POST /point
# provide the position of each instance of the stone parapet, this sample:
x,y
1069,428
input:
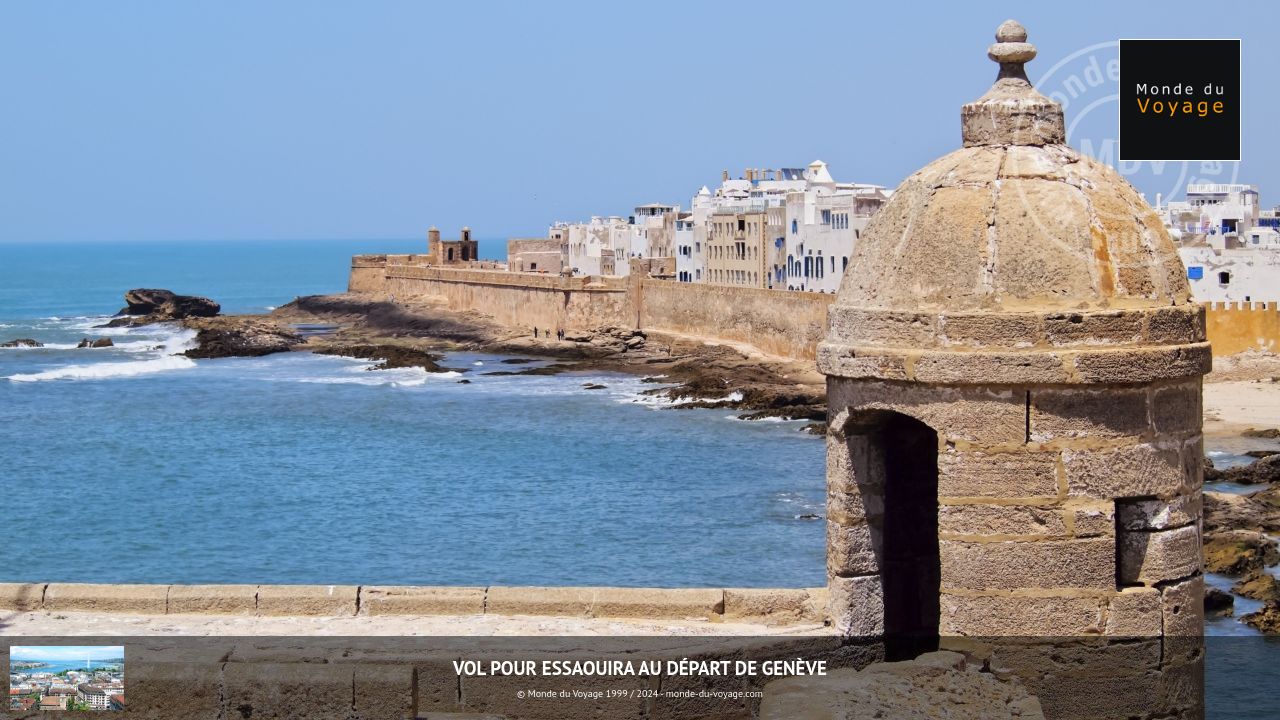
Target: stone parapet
x,y
780,606
1074,366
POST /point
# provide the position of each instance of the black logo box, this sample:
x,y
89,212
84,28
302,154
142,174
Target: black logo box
x,y
1184,68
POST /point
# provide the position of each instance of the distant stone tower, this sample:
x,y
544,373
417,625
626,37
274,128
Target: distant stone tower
x,y
451,252
1014,374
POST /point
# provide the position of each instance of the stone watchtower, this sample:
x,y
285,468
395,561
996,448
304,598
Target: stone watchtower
x,y
451,252
1014,380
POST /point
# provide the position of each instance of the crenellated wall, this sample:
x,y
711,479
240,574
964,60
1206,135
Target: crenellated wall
x,y
1235,327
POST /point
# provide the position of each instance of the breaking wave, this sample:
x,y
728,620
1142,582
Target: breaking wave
x,y
105,371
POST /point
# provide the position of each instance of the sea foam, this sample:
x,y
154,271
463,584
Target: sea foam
x,y
109,370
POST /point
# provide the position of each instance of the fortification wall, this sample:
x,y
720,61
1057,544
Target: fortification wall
x,y
1235,327
776,321
368,274
517,299
779,322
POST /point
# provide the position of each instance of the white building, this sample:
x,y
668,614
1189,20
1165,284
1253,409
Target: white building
x,y
1229,245
690,263
93,696
824,222
1216,210
596,247
810,227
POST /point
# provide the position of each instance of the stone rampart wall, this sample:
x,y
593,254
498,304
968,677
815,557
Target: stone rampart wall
x,y
777,321
1235,327
783,323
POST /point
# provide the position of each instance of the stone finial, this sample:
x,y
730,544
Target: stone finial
x,y
1012,112
1012,50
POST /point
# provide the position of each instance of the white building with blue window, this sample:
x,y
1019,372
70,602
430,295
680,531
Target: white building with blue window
x,y
1229,245
824,221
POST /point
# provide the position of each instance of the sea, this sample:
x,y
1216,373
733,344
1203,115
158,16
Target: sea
x,y
135,464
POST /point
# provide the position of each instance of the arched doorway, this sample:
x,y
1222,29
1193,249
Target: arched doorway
x,y
894,461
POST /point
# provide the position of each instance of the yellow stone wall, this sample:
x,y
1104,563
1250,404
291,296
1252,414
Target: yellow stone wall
x,y
1235,327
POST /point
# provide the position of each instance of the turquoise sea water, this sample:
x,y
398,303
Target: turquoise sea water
x,y
132,464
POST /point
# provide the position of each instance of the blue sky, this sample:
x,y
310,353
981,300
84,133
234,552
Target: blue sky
x,y
238,119
66,653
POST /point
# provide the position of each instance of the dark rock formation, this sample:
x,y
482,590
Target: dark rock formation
x,y
391,356
594,386
1262,433
99,343
1265,470
1211,473
1231,511
219,337
145,306
1239,552
1218,602
22,342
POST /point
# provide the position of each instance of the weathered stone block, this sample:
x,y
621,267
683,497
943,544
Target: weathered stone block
x,y
959,521
991,330
1082,413
1120,367
781,605
853,506
1177,324
1094,328
1081,563
1012,616
882,328
1005,368
605,602
307,600
1178,408
861,363
851,549
213,599
857,606
700,603
1092,518
1154,556
569,601
1135,612
1159,514
23,597
136,599
1183,607
1017,474
389,600
1136,470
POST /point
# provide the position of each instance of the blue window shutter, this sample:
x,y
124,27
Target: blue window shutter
x,y
1195,272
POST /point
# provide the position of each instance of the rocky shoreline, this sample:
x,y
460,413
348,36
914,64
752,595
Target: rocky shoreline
x,y
690,373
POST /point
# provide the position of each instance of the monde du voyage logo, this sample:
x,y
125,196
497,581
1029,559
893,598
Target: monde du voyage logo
x,y
1180,100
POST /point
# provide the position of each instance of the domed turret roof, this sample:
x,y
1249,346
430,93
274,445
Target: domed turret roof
x,y
1014,220
1014,260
